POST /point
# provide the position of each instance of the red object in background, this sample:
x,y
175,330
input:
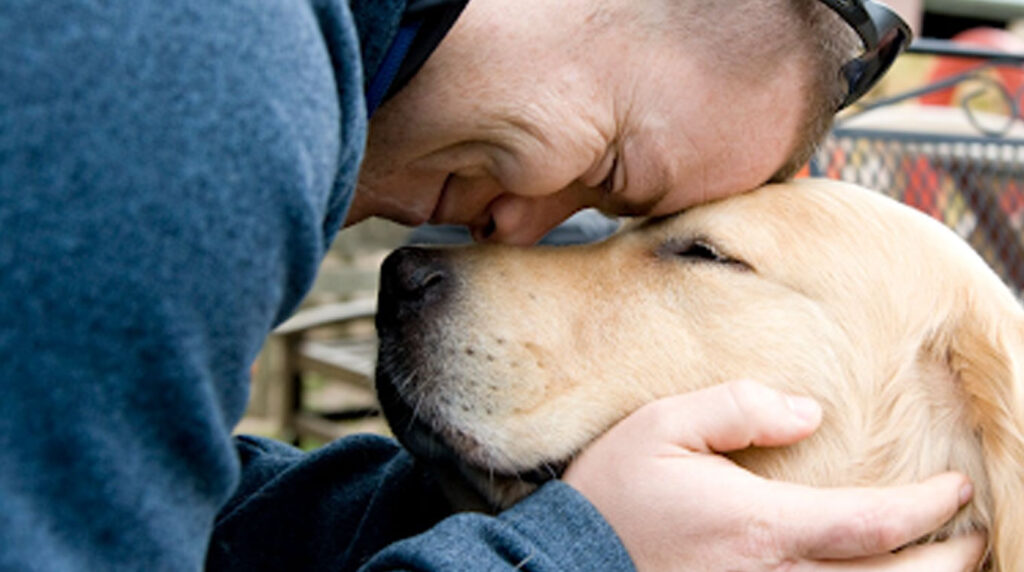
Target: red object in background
x,y
992,38
922,185
923,180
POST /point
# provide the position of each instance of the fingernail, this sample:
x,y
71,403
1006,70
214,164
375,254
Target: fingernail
x,y
966,492
805,408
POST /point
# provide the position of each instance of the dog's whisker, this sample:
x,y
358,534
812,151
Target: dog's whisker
x,y
414,415
551,470
406,381
416,409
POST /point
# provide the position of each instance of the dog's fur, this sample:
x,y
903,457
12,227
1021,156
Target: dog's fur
x,y
496,362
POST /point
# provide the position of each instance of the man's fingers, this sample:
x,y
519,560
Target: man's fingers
x,y
754,518
733,416
862,522
960,554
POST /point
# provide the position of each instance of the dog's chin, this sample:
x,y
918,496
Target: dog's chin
x,y
468,486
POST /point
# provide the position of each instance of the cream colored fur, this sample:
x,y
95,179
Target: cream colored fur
x,y
910,342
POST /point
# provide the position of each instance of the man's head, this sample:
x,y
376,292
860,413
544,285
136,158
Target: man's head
x,y
529,111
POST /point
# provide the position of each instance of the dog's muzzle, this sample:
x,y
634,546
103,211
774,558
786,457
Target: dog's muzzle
x,y
414,286
418,288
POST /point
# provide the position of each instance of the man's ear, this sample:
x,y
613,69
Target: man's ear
x,y
985,350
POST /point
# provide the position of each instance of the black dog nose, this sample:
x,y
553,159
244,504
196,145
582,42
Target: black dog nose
x,y
411,280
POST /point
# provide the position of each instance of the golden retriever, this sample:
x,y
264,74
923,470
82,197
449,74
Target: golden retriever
x,y
499,364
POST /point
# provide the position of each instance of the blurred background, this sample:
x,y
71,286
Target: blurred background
x,y
943,132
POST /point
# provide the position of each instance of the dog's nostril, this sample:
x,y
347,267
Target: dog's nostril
x,y
413,277
424,279
414,270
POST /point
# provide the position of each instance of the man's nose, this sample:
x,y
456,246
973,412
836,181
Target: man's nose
x,y
522,221
412,279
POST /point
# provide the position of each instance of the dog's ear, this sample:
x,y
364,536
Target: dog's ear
x,y
986,355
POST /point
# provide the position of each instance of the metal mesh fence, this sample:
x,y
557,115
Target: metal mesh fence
x,y
947,140
975,185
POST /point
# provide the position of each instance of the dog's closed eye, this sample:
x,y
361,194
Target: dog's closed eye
x,y
699,250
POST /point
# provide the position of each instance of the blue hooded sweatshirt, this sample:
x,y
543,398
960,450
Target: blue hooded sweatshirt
x,y
171,174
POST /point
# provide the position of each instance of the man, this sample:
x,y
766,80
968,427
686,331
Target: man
x,y
171,173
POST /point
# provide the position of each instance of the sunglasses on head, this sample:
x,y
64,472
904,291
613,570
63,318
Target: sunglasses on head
x,y
884,35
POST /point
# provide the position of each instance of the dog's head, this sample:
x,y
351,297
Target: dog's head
x,y
499,364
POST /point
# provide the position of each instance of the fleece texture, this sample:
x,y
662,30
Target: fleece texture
x,y
171,174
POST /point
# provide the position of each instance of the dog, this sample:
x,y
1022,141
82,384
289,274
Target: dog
x,y
499,364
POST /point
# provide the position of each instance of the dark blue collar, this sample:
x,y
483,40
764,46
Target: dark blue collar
x,y
424,24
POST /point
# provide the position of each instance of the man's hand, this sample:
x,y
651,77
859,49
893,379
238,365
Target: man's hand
x,y
679,506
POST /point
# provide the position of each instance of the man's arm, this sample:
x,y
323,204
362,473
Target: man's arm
x,y
555,529
170,174
364,503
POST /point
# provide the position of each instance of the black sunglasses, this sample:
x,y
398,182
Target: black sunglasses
x,y
884,34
